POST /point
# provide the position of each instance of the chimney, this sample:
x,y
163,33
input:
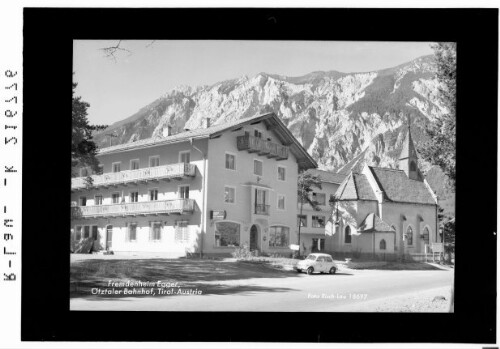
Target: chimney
x,y
207,122
169,130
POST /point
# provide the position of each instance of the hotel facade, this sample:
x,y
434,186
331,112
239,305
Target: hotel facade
x,y
204,192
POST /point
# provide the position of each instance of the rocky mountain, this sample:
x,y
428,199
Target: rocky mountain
x,y
336,116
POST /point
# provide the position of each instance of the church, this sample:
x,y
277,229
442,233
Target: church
x,y
384,212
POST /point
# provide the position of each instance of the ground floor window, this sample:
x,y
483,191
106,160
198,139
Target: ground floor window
x,y
318,245
86,231
181,231
78,233
155,232
348,236
94,232
132,232
409,236
279,236
382,244
227,234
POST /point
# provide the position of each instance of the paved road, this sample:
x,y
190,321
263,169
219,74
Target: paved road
x,y
341,292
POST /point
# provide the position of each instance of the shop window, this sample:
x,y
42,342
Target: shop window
x,y
227,234
279,236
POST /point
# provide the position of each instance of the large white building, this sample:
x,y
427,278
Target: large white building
x,y
203,191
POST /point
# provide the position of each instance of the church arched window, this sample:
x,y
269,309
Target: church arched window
x,y
409,236
426,235
382,244
348,236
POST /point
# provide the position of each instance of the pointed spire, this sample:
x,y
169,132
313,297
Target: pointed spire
x,y
408,150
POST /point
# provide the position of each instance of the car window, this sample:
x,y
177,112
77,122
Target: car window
x,y
311,257
320,259
329,259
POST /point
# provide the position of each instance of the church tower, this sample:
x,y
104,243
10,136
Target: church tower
x,y
408,159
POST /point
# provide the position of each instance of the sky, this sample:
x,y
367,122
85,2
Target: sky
x,y
116,89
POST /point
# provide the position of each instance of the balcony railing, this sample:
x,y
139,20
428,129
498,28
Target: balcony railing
x,y
177,206
262,147
262,209
174,171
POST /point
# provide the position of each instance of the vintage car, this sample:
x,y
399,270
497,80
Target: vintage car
x,y
317,263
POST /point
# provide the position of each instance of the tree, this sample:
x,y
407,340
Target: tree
x,y
440,149
447,227
306,182
83,148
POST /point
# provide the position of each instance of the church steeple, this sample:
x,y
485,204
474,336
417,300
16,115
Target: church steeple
x,y
408,159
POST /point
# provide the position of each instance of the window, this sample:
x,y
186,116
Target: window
x,y
229,195
230,161
261,206
281,202
78,233
116,166
115,198
318,221
94,232
227,234
155,232
318,245
281,173
134,196
84,172
132,232
181,231
154,161
185,157
257,134
153,194
320,198
426,235
382,244
348,236
86,231
83,201
257,167
134,164
279,236
395,233
98,200
409,236
184,192
302,220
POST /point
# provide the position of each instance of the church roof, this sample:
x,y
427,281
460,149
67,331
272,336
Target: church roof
x,y
398,187
408,150
355,165
373,223
327,176
355,187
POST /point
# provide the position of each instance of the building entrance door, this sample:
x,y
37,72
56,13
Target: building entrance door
x,y
109,237
254,238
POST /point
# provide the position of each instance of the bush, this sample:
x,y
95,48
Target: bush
x,y
242,252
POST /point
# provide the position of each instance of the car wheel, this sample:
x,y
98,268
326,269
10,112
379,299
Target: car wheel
x,y
333,270
298,270
310,270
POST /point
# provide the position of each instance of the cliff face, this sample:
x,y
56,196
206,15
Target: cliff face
x,y
336,116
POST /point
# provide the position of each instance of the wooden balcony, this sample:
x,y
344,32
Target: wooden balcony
x,y
262,147
165,207
168,172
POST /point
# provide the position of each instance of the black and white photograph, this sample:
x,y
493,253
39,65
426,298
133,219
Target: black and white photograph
x,y
256,175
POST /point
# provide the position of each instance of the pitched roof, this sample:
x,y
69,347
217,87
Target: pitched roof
x,y
399,188
373,223
355,165
284,135
328,176
355,187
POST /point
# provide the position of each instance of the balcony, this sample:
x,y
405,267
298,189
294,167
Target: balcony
x,y
262,147
262,209
166,207
168,172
